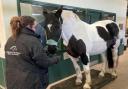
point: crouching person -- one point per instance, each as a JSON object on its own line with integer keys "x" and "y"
{"x": 26, "y": 61}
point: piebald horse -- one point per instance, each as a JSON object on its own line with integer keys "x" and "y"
{"x": 82, "y": 40}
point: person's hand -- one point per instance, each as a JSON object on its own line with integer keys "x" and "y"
{"x": 45, "y": 49}
{"x": 57, "y": 58}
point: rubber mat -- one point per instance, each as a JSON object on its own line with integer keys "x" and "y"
{"x": 97, "y": 82}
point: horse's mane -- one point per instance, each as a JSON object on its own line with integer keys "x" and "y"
{"x": 69, "y": 15}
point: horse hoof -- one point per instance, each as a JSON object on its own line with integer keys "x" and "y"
{"x": 78, "y": 82}
{"x": 114, "y": 75}
{"x": 86, "y": 86}
{"x": 101, "y": 74}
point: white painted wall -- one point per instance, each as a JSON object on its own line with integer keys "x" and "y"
{"x": 8, "y": 8}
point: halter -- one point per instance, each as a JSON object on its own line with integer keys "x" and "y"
{"x": 51, "y": 41}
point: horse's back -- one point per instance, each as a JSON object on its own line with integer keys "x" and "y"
{"x": 106, "y": 30}
{"x": 94, "y": 40}
{"x": 102, "y": 23}
{"x": 100, "y": 33}
{"x": 90, "y": 37}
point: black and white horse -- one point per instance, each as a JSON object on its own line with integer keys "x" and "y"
{"x": 82, "y": 40}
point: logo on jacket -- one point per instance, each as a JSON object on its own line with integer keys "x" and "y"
{"x": 13, "y": 48}
{"x": 13, "y": 51}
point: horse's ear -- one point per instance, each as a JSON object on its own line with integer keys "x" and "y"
{"x": 45, "y": 12}
{"x": 59, "y": 11}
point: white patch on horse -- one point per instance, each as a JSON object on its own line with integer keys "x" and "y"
{"x": 49, "y": 27}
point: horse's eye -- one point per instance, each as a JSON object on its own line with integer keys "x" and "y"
{"x": 56, "y": 26}
{"x": 45, "y": 26}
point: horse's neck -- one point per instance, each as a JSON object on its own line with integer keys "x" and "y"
{"x": 66, "y": 32}
{"x": 70, "y": 28}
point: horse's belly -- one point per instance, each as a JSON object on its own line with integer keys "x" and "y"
{"x": 98, "y": 47}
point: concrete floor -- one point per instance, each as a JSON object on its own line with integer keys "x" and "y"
{"x": 122, "y": 81}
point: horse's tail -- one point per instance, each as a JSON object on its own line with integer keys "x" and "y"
{"x": 113, "y": 30}
{"x": 110, "y": 57}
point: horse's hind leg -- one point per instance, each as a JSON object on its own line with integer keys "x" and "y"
{"x": 104, "y": 64}
{"x": 115, "y": 58}
{"x": 77, "y": 69}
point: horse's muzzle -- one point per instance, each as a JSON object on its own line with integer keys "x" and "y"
{"x": 52, "y": 49}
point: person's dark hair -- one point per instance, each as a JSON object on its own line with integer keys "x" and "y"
{"x": 17, "y": 23}
{"x": 26, "y": 20}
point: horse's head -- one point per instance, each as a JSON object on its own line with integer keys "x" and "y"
{"x": 53, "y": 22}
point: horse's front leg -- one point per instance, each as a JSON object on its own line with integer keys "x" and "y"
{"x": 88, "y": 76}
{"x": 77, "y": 69}
{"x": 86, "y": 66}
